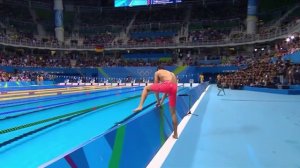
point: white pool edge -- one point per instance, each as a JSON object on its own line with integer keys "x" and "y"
{"x": 164, "y": 151}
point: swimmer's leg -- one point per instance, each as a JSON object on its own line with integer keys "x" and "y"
{"x": 143, "y": 98}
{"x": 174, "y": 121}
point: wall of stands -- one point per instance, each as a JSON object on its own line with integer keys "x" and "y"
{"x": 184, "y": 73}
{"x": 131, "y": 144}
{"x": 147, "y": 56}
{"x": 141, "y": 35}
{"x": 54, "y": 70}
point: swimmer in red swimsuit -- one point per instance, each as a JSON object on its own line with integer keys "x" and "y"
{"x": 168, "y": 86}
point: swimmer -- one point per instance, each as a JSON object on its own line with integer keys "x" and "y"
{"x": 164, "y": 82}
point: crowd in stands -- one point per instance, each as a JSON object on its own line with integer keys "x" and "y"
{"x": 24, "y": 76}
{"x": 208, "y": 34}
{"x": 267, "y": 70}
{"x": 75, "y": 60}
{"x": 262, "y": 74}
{"x": 151, "y": 40}
{"x": 146, "y": 26}
{"x": 105, "y": 25}
{"x": 289, "y": 46}
{"x": 262, "y": 69}
{"x": 101, "y": 39}
{"x": 107, "y": 60}
{"x": 27, "y": 38}
{"x": 28, "y": 60}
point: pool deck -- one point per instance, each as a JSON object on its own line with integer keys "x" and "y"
{"x": 239, "y": 129}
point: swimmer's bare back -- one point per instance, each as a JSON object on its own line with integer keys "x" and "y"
{"x": 164, "y": 75}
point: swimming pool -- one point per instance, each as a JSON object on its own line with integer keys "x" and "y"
{"x": 35, "y": 130}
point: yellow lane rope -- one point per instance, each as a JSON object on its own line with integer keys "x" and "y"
{"x": 39, "y": 93}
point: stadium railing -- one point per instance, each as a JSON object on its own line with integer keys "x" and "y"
{"x": 280, "y": 33}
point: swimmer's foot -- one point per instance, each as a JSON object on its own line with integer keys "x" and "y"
{"x": 138, "y": 109}
{"x": 175, "y": 136}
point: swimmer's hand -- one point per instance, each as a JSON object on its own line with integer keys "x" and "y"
{"x": 158, "y": 104}
{"x": 161, "y": 101}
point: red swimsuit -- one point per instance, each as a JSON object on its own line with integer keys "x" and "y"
{"x": 166, "y": 87}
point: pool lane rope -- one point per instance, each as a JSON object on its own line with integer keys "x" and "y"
{"x": 22, "y": 97}
{"x": 62, "y": 119}
{"x": 13, "y": 103}
{"x": 80, "y": 112}
{"x": 67, "y": 117}
{"x": 50, "y": 106}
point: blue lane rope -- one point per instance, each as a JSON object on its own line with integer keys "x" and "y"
{"x": 79, "y": 112}
{"x": 33, "y": 93}
{"x": 62, "y": 119}
{"x": 18, "y": 102}
{"x": 50, "y": 106}
{"x": 18, "y": 88}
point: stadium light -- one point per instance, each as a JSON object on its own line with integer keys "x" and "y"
{"x": 255, "y": 49}
{"x": 292, "y": 37}
{"x": 288, "y": 40}
{"x": 262, "y": 49}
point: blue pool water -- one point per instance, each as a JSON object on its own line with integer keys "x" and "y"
{"x": 42, "y": 146}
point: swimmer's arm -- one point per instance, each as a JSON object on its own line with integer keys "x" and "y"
{"x": 157, "y": 98}
{"x": 163, "y": 98}
{"x": 156, "y": 80}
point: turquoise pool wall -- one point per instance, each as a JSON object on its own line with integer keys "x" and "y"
{"x": 293, "y": 90}
{"x": 131, "y": 144}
